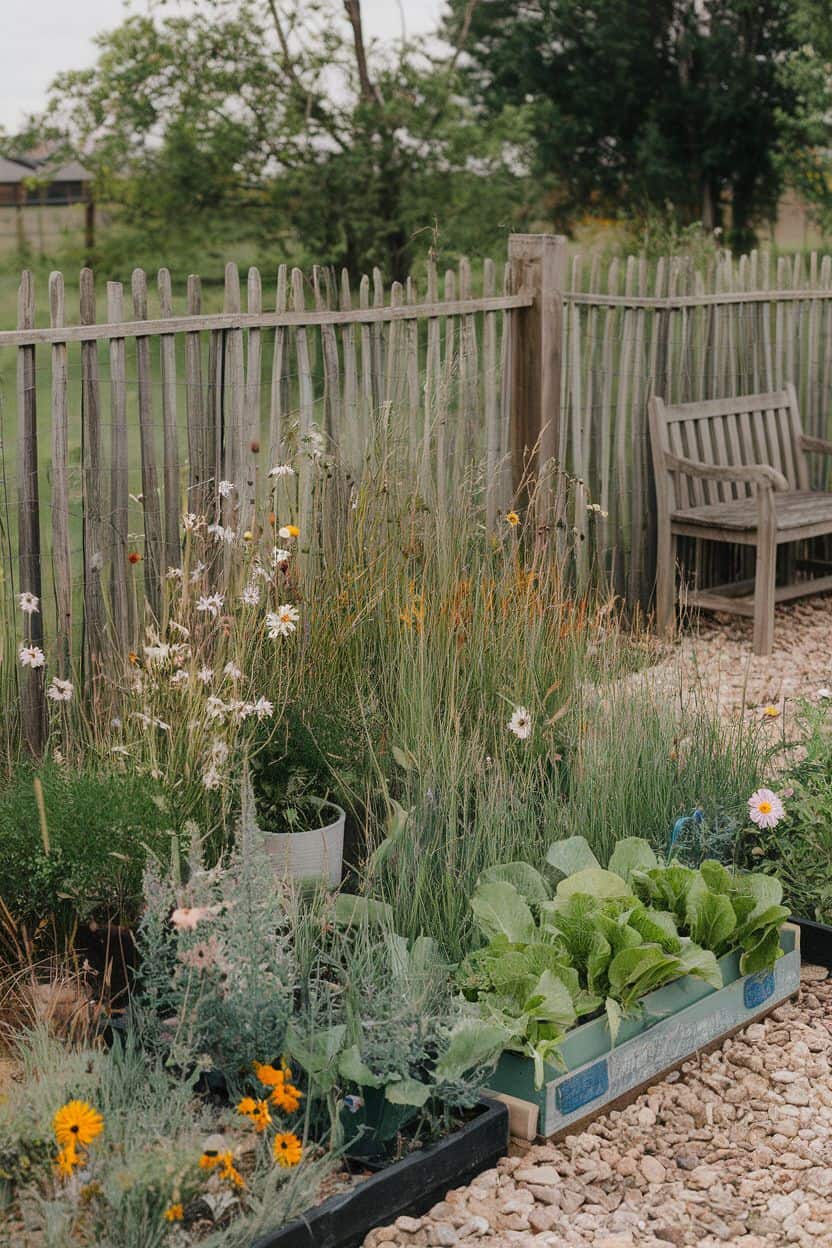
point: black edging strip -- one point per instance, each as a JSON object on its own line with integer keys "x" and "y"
{"x": 410, "y": 1186}
{"x": 815, "y": 941}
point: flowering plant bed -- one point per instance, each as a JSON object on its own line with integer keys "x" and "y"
{"x": 409, "y": 1186}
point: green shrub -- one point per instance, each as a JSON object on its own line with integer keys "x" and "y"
{"x": 100, "y": 826}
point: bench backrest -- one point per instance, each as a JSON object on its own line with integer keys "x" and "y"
{"x": 746, "y": 429}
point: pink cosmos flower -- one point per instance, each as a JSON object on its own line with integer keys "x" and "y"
{"x": 765, "y": 808}
{"x": 186, "y": 918}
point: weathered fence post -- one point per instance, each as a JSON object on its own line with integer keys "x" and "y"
{"x": 33, "y": 706}
{"x": 538, "y": 267}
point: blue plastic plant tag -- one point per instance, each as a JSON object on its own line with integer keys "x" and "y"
{"x": 586, "y": 1086}
{"x": 758, "y": 988}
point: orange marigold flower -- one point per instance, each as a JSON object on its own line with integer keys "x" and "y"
{"x": 287, "y": 1149}
{"x": 287, "y": 1098}
{"x": 268, "y": 1075}
{"x": 66, "y": 1161}
{"x": 512, "y": 518}
{"x": 77, "y": 1123}
{"x": 256, "y": 1111}
{"x": 174, "y": 1213}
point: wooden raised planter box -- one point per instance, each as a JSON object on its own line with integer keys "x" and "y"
{"x": 677, "y": 1021}
{"x": 409, "y": 1186}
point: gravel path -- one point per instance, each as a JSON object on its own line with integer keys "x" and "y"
{"x": 734, "y": 1149}
{"x": 719, "y": 659}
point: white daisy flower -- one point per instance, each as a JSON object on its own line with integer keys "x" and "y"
{"x": 765, "y": 808}
{"x": 29, "y": 603}
{"x": 281, "y": 470}
{"x": 31, "y": 656}
{"x": 206, "y": 675}
{"x": 190, "y": 521}
{"x": 211, "y": 603}
{"x": 520, "y": 723}
{"x": 263, "y": 708}
{"x": 197, "y": 571}
{"x": 250, "y": 596}
{"x": 283, "y": 621}
{"x": 173, "y": 574}
{"x": 279, "y": 556}
{"x": 225, "y": 489}
{"x": 232, "y": 670}
{"x": 60, "y": 690}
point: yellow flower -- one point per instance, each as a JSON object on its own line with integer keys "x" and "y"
{"x": 174, "y": 1213}
{"x": 288, "y": 530}
{"x": 248, "y": 536}
{"x": 67, "y": 1160}
{"x": 77, "y": 1123}
{"x": 512, "y": 518}
{"x": 771, "y": 712}
{"x": 287, "y": 1149}
{"x": 256, "y": 1111}
{"x": 287, "y": 1097}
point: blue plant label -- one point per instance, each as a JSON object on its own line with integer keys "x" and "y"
{"x": 758, "y": 988}
{"x": 586, "y": 1086}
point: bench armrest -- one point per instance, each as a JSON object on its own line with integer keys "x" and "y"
{"x": 821, "y": 445}
{"x": 760, "y": 474}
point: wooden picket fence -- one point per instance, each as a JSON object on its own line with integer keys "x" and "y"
{"x": 548, "y": 366}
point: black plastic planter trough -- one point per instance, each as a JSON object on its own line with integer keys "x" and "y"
{"x": 815, "y": 941}
{"x": 409, "y": 1186}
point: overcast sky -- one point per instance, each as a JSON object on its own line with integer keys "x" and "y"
{"x": 47, "y": 36}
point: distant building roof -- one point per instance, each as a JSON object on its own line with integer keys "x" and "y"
{"x": 14, "y": 171}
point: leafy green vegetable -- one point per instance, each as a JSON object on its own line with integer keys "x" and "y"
{"x": 501, "y": 911}
{"x": 607, "y": 938}
{"x": 571, "y": 855}
{"x": 632, "y": 853}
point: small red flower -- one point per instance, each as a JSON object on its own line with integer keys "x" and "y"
{"x": 134, "y": 557}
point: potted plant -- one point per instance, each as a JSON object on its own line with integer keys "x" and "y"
{"x": 302, "y": 832}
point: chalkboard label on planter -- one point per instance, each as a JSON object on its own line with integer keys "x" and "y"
{"x": 758, "y": 988}
{"x": 584, "y": 1087}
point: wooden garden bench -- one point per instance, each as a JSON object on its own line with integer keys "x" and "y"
{"x": 735, "y": 470}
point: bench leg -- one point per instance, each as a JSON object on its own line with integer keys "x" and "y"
{"x": 764, "y": 582}
{"x": 666, "y": 583}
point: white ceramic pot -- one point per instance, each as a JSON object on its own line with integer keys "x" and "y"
{"x": 316, "y": 854}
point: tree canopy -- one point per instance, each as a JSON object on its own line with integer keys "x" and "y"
{"x": 634, "y": 103}
{"x": 277, "y": 115}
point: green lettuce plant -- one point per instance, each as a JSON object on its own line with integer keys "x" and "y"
{"x": 606, "y": 937}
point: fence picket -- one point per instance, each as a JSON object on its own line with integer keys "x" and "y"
{"x": 120, "y": 602}
{"x": 93, "y": 530}
{"x": 150, "y": 486}
{"x": 170, "y": 435}
{"x": 61, "y": 550}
